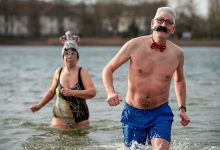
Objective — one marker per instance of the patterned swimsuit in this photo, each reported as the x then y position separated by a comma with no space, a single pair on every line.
70,108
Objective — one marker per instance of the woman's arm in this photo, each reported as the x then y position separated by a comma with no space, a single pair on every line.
48,95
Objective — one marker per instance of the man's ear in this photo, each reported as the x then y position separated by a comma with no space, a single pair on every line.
152,23
173,29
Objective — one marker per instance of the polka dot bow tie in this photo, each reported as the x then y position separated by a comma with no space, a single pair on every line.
154,45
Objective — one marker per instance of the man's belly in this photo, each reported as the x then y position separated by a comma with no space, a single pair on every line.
146,101
147,94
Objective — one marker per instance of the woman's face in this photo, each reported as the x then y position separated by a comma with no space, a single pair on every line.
70,57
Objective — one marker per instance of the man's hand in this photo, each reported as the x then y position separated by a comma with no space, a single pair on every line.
184,118
113,100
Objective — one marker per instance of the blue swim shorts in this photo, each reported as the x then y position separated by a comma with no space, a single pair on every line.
144,124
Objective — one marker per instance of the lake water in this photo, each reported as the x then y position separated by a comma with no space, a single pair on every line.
26,73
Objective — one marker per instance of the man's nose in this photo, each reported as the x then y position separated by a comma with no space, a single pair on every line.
164,24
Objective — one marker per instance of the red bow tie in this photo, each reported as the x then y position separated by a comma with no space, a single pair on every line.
154,45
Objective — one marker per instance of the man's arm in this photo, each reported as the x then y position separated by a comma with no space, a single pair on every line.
119,59
180,85
180,89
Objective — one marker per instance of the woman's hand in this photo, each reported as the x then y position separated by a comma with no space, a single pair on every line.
67,92
34,108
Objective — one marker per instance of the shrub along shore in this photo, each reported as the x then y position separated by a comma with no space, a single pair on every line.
103,41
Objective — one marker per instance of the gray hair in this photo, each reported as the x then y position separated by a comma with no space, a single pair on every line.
170,10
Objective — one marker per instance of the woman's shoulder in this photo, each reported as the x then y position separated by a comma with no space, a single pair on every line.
57,72
83,69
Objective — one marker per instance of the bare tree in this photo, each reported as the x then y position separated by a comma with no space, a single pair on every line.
112,12
8,11
189,21
33,18
214,19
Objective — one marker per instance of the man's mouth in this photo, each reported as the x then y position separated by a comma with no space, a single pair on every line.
160,29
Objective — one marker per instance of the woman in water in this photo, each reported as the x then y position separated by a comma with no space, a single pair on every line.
72,85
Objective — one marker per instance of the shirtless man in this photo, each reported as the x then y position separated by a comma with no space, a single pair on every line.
153,60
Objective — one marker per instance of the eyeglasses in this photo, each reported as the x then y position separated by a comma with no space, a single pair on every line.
162,20
69,52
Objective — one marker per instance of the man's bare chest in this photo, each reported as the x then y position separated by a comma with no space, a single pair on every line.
153,64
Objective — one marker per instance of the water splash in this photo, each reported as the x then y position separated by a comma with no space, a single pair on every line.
136,146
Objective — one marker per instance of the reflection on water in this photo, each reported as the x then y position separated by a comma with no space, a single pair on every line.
57,139
26,73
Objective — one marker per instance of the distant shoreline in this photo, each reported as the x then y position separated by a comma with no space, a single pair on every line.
104,42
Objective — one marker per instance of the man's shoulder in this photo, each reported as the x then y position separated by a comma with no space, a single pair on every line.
175,47
138,41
